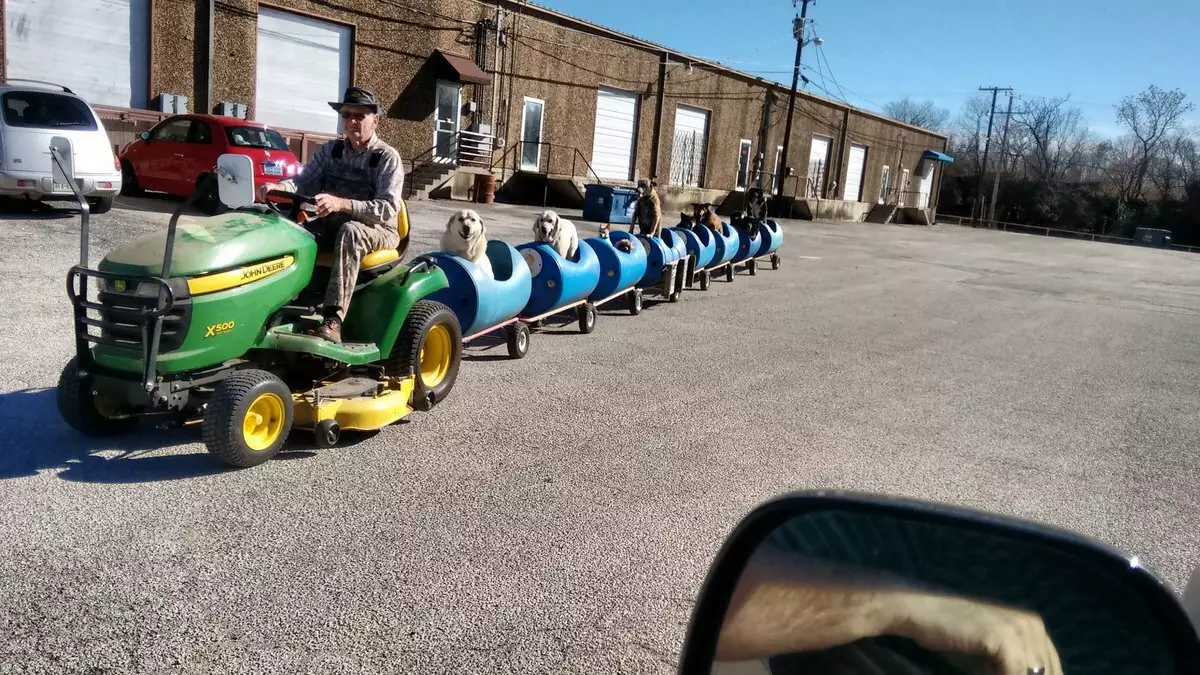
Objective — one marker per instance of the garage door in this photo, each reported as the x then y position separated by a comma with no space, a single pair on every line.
691,140
97,48
303,64
616,125
854,173
818,165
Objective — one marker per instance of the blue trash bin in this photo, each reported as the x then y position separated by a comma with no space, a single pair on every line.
609,204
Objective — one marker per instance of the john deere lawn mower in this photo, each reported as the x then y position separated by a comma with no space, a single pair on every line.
203,324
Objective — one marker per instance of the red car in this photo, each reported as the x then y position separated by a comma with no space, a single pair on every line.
181,150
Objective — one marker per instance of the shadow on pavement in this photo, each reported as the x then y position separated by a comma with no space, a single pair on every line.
36,439
28,209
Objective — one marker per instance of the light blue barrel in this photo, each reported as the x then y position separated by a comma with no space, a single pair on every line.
700,245
479,301
726,244
658,256
772,236
558,281
619,270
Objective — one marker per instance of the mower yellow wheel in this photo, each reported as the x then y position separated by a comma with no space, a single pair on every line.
263,422
437,355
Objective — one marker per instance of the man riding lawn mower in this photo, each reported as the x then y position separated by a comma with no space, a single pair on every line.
230,322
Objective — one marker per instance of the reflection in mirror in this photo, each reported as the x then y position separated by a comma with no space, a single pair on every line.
850,593
235,176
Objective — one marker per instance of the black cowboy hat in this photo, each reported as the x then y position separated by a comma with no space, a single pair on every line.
357,96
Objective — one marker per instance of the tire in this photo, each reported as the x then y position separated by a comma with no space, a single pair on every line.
99,205
587,318
209,202
729,272
518,340
78,406
752,267
130,187
635,302
435,371
248,418
327,434
704,280
774,261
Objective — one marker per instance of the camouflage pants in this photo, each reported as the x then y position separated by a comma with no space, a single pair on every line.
354,240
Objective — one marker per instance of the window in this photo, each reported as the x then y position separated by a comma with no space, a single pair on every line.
743,174
200,133
47,110
256,137
883,184
174,130
775,177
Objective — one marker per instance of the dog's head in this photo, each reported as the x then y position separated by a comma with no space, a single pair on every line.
685,220
605,229
465,225
545,226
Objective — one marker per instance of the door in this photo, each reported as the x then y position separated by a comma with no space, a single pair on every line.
743,170
613,140
691,143
883,184
161,158
531,134
925,184
98,48
854,173
775,177
447,111
818,165
302,64
902,192
200,156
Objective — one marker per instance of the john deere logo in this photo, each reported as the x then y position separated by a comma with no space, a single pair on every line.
264,269
119,285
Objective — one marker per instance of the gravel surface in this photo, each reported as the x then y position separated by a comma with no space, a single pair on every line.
557,514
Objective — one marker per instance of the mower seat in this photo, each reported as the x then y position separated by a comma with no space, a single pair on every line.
378,262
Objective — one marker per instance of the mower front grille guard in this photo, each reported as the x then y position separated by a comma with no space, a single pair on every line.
127,321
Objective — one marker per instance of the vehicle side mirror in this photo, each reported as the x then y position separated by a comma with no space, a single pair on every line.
814,582
235,176
145,135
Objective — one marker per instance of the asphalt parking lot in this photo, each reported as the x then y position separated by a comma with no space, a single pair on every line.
558,513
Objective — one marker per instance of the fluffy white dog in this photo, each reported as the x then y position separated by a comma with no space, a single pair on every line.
466,236
558,232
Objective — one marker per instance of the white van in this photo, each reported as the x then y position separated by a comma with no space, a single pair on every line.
31,113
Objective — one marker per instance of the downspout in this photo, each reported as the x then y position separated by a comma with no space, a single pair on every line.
658,111
841,151
762,137
496,68
204,84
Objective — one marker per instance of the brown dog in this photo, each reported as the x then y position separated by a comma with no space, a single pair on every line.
647,213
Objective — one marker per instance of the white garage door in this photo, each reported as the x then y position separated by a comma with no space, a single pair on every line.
854,173
691,140
818,165
616,126
97,48
303,64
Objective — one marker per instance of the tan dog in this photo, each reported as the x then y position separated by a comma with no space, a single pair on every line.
465,236
560,233
647,212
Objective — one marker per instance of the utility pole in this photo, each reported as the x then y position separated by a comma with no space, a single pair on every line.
977,207
1003,154
798,25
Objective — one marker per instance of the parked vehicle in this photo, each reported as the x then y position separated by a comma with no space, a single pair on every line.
34,112
179,152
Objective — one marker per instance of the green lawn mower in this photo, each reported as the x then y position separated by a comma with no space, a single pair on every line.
202,323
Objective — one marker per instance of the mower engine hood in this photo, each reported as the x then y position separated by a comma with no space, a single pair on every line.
205,245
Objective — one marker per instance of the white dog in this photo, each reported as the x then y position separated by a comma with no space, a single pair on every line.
466,236
558,232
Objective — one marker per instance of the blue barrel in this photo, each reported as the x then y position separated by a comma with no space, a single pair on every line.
608,203
747,248
619,270
480,302
558,281
726,243
658,256
699,244
772,236
674,240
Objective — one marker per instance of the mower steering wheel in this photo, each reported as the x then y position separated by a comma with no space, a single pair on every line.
298,200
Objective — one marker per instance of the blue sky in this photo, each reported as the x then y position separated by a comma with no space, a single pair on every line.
943,50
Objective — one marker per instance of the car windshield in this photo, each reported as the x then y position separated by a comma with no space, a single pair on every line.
256,137
46,110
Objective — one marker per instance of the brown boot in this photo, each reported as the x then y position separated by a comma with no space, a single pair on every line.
330,330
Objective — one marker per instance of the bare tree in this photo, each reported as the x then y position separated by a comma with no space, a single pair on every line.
925,115
1150,117
1054,138
969,131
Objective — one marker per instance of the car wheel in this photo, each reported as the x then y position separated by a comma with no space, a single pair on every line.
129,182
100,204
209,202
